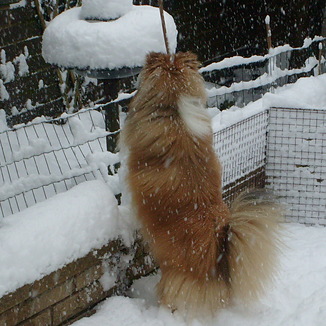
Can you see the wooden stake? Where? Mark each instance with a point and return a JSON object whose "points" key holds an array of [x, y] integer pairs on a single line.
{"points": [[164, 27], [269, 32], [320, 47]]}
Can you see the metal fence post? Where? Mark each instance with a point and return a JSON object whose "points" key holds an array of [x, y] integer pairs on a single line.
{"points": [[112, 122]]}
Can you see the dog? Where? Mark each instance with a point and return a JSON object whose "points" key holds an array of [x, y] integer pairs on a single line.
{"points": [[209, 254]]}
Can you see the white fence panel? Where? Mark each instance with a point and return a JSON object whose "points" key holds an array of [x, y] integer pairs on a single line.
{"points": [[296, 162], [241, 150], [41, 159]]}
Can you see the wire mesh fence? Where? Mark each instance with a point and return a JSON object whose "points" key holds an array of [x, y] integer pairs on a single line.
{"points": [[46, 157], [238, 81], [241, 150], [296, 162]]}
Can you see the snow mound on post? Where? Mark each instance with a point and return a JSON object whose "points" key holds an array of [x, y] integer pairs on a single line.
{"points": [[71, 42], [53, 233]]}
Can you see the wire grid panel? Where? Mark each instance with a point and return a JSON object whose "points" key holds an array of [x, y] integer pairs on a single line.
{"points": [[296, 162], [41, 159], [241, 149]]}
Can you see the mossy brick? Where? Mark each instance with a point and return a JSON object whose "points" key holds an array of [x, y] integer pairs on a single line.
{"points": [[49, 76], [89, 312], [33, 306], [14, 34], [58, 277], [89, 276], [79, 302], [42, 319], [28, 84], [23, 14], [34, 47], [51, 109], [27, 90], [49, 93], [4, 19], [36, 64]]}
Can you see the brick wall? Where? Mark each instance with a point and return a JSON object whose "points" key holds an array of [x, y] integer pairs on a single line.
{"points": [[33, 87], [70, 293]]}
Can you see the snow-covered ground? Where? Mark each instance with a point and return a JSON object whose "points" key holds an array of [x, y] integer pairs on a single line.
{"points": [[298, 297]]}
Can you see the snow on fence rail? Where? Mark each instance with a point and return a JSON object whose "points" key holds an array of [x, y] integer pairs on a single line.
{"points": [[252, 77]]}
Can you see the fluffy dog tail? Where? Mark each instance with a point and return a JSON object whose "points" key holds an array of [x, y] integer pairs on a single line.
{"points": [[253, 243], [245, 252]]}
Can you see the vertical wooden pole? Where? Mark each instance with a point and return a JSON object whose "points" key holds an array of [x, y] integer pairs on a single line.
{"points": [[320, 47], [269, 32], [164, 27]]}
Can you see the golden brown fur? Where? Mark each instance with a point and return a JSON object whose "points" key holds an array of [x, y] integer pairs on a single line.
{"points": [[207, 253]]}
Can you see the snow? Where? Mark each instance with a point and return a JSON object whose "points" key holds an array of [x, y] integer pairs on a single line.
{"points": [[306, 93], [7, 70], [23, 68], [105, 9], [237, 60], [297, 298], [51, 234], [267, 20], [19, 4], [263, 80], [106, 45], [4, 95]]}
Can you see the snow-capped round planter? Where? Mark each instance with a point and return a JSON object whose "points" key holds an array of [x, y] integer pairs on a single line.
{"points": [[69, 41]]}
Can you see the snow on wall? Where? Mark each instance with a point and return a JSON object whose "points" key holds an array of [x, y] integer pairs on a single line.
{"points": [[51, 234], [296, 162]]}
